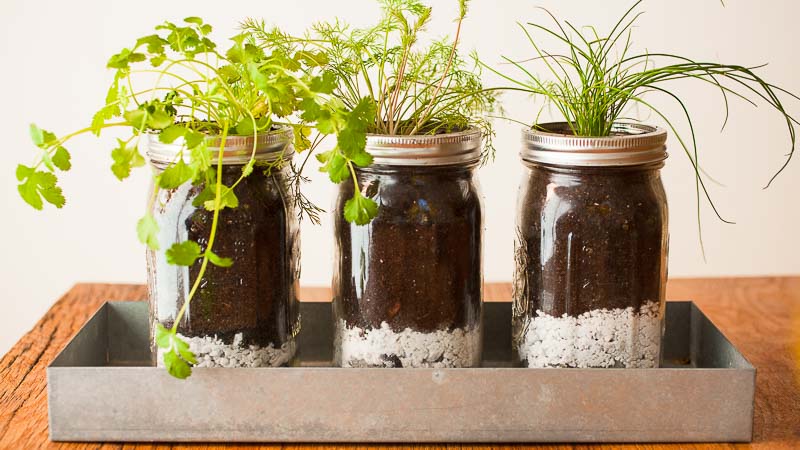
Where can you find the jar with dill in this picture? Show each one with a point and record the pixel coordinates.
(407, 285)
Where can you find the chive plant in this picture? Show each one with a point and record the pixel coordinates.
(387, 83)
(199, 91)
(595, 80)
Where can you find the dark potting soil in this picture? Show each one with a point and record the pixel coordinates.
(589, 239)
(257, 296)
(418, 263)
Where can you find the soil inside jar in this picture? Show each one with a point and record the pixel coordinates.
(591, 263)
(591, 239)
(417, 265)
(255, 299)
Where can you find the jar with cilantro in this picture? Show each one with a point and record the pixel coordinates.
(407, 285)
(244, 312)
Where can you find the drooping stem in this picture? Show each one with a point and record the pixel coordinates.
(212, 234)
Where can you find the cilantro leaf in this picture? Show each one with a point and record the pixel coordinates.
(176, 366)
(359, 209)
(227, 200)
(177, 357)
(175, 175)
(147, 230)
(193, 138)
(205, 195)
(123, 59)
(218, 260)
(171, 133)
(37, 135)
(136, 118)
(159, 120)
(125, 158)
(163, 336)
(183, 253)
(36, 185)
(325, 83)
(61, 158)
(334, 164)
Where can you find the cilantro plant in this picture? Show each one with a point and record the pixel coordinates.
(193, 91)
(597, 78)
(384, 83)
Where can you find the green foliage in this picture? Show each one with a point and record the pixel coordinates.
(596, 80)
(200, 90)
(184, 253)
(36, 185)
(147, 231)
(359, 209)
(177, 356)
(381, 82)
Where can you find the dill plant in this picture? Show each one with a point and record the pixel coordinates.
(387, 83)
(597, 78)
(198, 91)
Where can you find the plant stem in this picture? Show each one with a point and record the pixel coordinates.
(212, 234)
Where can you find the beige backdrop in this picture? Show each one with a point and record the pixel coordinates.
(54, 53)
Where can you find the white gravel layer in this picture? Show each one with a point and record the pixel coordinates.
(383, 347)
(212, 352)
(598, 338)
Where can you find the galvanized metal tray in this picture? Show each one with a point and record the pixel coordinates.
(100, 388)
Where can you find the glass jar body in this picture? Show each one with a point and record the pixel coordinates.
(591, 266)
(407, 287)
(246, 315)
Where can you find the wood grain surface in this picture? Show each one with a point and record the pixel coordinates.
(761, 316)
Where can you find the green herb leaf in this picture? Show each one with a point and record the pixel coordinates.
(217, 260)
(227, 200)
(125, 158)
(171, 133)
(359, 209)
(193, 138)
(37, 135)
(334, 164)
(136, 118)
(184, 352)
(175, 175)
(163, 336)
(183, 253)
(37, 185)
(176, 366)
(147, 230)
(177, 356)
(205, 195)
(159, 120)
(123, 59)
(62, 159)
(324, 83)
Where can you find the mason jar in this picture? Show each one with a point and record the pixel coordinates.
(591, 248)
(407, 287)
(246, 315)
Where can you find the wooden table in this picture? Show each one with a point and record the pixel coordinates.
(760, 315)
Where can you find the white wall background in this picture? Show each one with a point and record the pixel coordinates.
(52, 59)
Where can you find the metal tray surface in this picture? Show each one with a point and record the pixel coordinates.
(101, 388)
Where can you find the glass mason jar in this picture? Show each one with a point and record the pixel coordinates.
(246, 315)
(407, 287)
(591, 248)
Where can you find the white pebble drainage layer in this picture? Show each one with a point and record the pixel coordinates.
(383, 347)
(212, 352)
(598, 338)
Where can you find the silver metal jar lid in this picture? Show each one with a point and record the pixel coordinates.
(422, 150)
(629, 144)
(270, 147)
